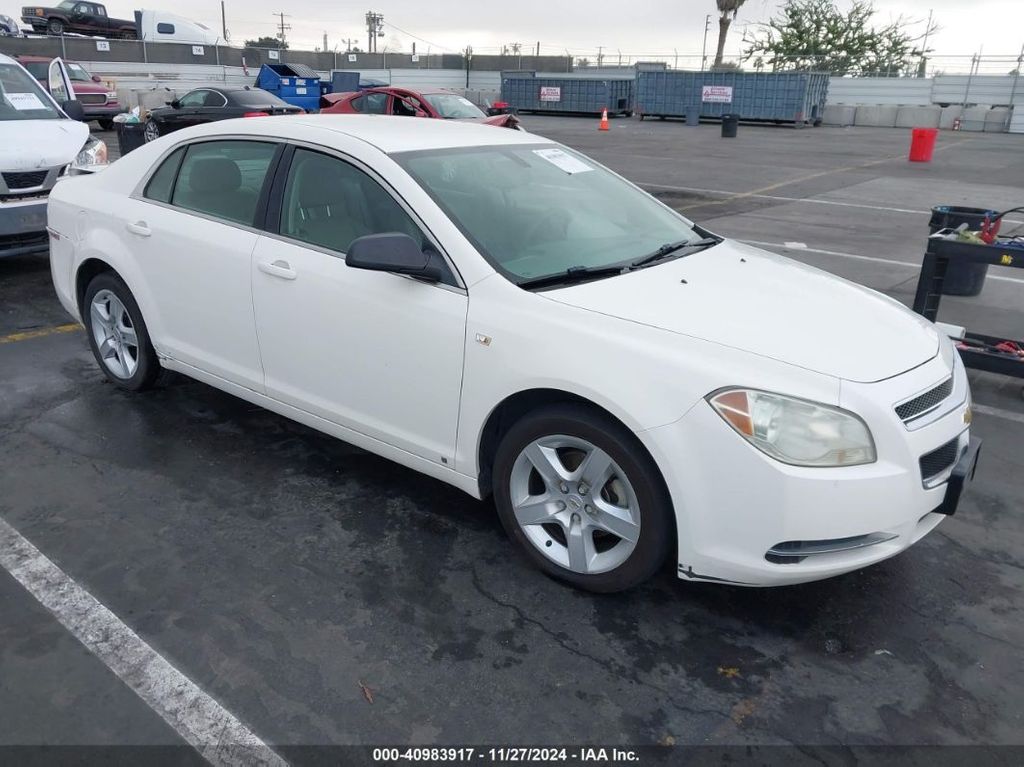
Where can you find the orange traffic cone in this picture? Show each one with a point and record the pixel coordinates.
(604, 120)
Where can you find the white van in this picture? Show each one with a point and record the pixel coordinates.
(42, 139)
(160, 26)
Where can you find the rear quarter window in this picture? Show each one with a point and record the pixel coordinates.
(161, 183)
(223, 179)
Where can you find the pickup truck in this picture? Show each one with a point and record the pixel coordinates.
(83, 18)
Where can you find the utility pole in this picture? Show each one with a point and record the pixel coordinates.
(281, 39)
(349, 42)
(922, 69)
(468, 55)
(704, 53)
(538, 49)
(223, 21)
(600, 54)
(374, 29)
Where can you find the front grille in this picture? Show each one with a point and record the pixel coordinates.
(10, 241)
(926, 402)
(937, 461)
(92, 98)
(25, 180)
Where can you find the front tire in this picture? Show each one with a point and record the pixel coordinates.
(55, 27)
(579, 493)
(118, 335)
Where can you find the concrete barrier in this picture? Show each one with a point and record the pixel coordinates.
(974, 118)
(949, 116)
(997, 120)
(918, 117)
(840, 116)
(877, 116)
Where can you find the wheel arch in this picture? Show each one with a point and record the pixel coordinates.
(86, 272)
(514, 407)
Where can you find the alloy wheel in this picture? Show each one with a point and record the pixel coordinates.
(115, 335)
(575, 504)
(151, 131)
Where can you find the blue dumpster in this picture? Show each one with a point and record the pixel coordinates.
(295, 83)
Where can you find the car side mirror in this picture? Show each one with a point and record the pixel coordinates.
(97, 79)
(74, 110)
(174, 104)
(393, 252)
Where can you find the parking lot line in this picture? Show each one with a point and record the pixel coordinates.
(859, 257)
(212, 730)
(27, 335)
(998, 412)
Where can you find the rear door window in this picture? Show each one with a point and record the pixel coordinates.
(223, 179)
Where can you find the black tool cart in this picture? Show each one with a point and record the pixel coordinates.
(982, 352)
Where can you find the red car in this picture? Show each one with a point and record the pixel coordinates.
(99, 102)
(439, 104)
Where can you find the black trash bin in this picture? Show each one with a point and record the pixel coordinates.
(962, 278)
(730, 125)
(130, 136)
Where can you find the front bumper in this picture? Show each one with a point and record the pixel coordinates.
(746, 519)
(23, 227)
(102, 111)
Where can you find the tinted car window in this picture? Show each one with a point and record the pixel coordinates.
(165, 29)
(161, 183)
(214, 99)
(329, 203)
(223, 178)
(257, 98)
(193, 99)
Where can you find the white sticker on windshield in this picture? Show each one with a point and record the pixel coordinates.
(563, 161)
(24, 101)
(465, 102)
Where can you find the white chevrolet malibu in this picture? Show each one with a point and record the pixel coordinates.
(506, 315)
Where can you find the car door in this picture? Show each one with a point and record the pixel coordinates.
(213, 108)
(372, 351)
(187, 111)
(191, 228)
(59, 82)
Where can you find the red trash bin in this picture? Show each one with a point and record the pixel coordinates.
(922, 144)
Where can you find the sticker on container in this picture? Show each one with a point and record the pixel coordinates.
(198, 50)
(300, 91)
(274, 55)
(563, 161)
(352, 58)
(299, 81)
(551, 93)
(24, 102)
(415, 58)
(716, 94)
(102, 45)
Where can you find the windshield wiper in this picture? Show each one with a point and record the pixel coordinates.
(670, 248)
(573, 275)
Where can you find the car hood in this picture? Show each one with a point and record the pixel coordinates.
(30, 144)
(768, 305)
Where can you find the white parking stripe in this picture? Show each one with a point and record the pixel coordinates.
(202, 722)
(809, 200)
(996, 412)
(858, 257)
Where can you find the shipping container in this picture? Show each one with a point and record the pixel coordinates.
(295, 83)
(793, 97)
(568, 95)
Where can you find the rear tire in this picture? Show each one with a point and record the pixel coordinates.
(117, 334)
(580, 494)
(106, 124)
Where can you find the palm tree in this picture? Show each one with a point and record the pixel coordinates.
(728, 10)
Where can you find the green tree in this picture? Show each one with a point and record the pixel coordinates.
(727, 10)
(267, 41)
(818, 35)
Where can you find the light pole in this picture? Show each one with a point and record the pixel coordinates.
(704, 52)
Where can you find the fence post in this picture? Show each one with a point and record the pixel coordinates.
(63, 47)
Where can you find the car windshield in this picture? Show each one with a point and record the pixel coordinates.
(257, 98)
(540, 210)
(452, 106)
(38, 69)
(78, 73)
(21, 98)
(67, 5)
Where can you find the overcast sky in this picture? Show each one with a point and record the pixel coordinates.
(647, 27)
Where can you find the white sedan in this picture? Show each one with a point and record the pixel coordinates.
(506, 315)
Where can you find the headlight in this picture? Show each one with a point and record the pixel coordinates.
(796, 431)
(112, 95)
(93, 153)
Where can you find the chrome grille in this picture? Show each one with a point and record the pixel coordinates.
(25, 180)
(940, 459)
(926, 402)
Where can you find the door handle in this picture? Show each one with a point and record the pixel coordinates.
(140, 228)
(279, 268)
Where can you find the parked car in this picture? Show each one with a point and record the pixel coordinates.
(505, 314)
(76, 17)
(9, 27)
(97, 100)
(204, 105)
(42, 144)
(439, 104)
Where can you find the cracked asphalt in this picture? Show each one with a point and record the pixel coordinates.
(281, 569)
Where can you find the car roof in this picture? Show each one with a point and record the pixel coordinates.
(388, 133)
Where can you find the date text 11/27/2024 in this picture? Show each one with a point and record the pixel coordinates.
(505, 754)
